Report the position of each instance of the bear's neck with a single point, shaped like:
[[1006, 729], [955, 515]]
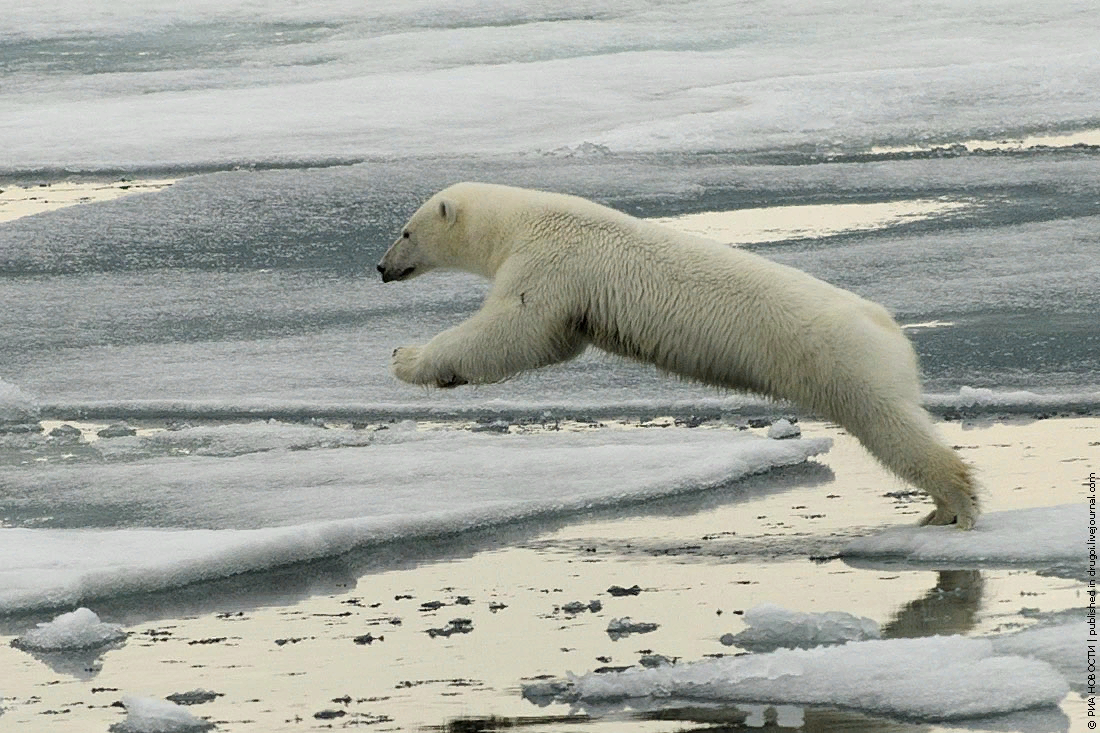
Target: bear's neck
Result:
[[488, 246]]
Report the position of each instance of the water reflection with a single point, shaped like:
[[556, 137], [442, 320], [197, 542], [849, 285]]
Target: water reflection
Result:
[[951, 607]]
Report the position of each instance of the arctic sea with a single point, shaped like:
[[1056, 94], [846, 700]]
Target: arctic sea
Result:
[[235, 319]]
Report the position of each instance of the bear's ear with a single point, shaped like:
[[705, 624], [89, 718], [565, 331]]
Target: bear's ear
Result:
[[448, 210]]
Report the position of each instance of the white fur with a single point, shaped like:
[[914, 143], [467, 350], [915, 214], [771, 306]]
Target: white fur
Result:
[[567, 273]]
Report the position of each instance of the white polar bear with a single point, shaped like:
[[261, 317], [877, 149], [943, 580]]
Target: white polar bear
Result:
[[567, 273]]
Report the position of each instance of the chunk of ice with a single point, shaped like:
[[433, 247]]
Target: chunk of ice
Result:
[[151, 715], [782, 429], [79, 629], [773, 627]]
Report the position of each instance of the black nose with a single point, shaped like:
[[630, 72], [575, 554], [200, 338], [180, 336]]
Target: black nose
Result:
[[381, 269]]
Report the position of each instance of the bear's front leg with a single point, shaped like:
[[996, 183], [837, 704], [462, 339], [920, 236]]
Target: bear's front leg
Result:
[[409, 365], [508, 335]]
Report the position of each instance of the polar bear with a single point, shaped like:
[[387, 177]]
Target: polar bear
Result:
[[568, 273]]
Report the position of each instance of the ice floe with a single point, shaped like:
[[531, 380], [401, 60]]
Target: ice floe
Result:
[[934, 678], [773, 627], [1048, 535], [217, 517]]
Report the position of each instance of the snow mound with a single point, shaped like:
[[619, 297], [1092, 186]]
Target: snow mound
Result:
[[935, 678], [1044, 535], [150, 715], [772, 627], [79, 629]]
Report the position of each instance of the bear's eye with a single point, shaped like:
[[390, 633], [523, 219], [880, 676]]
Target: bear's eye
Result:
[[405, 234]]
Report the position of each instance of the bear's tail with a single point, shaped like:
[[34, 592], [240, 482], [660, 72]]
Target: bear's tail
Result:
[[904, 440]]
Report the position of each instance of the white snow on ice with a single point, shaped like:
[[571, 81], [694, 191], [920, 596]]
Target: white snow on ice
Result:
[[772, 627], [152, 715], [245, 512], [1041, 535], [934, 678], [73, 631]]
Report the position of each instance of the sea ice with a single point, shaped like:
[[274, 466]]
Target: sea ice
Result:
[[935, 678], [151, 715], [76, 630], [773, 627], [1046, 535]]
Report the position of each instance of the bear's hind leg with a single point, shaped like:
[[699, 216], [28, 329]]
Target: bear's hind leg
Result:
[[902, 438]]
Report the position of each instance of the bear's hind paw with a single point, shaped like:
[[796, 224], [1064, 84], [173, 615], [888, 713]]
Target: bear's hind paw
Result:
[[942, 516]]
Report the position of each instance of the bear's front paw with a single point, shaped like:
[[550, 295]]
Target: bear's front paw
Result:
[[406, 361], [409, 366]]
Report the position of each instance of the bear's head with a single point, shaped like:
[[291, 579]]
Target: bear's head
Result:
[[431, 239], [468, 226]]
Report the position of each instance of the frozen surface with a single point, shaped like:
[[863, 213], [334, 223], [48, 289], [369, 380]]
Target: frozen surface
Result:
[[93, 530], [933, 678], [1046, 535], [773, 627], [180, 83], [151, 715], [73, 631]]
